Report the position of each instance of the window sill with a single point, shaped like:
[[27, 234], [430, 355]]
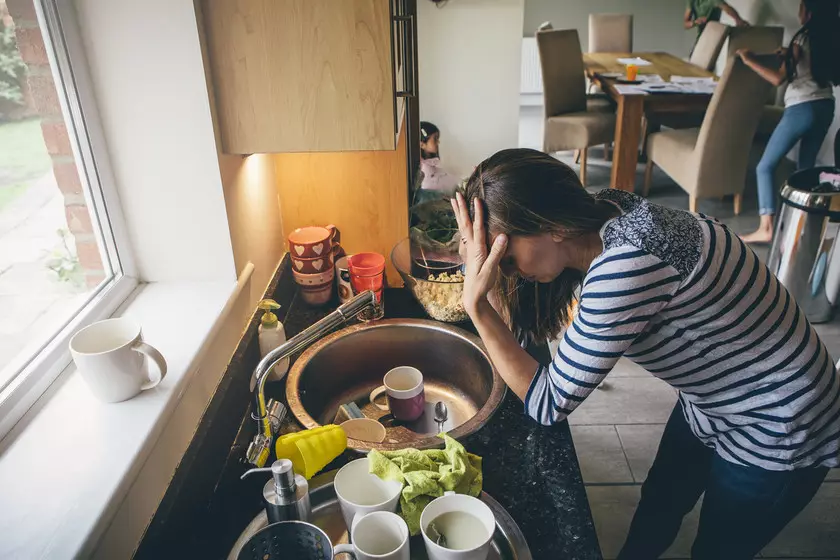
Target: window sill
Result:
[[68, 464]]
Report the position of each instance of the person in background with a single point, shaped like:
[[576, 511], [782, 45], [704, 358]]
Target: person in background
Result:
[[435, 178], [810, 66], [699, 12]]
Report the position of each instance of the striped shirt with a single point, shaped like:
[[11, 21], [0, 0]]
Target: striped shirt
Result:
[[684, 298]]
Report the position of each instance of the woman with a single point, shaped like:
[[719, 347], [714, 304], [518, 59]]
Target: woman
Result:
[[757, 424], [811, 66]]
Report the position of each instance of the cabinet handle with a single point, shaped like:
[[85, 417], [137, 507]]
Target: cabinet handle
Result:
[[409, 58]]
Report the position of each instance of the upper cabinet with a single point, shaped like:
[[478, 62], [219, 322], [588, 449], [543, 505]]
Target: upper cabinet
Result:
[[309, 75]]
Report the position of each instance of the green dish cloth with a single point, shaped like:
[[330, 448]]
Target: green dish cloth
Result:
[[427, 474]]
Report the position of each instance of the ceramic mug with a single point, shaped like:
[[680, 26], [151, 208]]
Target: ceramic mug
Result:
[[359, 492], [110, 355], [406, 396], [313, 279], [316, 265], [318, 295], [342, 279], [465, 541], [313, 242], [381, 535]]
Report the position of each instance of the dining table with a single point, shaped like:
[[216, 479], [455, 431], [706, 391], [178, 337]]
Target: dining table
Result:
[[633, 105]]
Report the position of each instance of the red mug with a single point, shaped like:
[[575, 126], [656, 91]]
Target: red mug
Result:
[[406, 396], [313, 242], [317, 265]]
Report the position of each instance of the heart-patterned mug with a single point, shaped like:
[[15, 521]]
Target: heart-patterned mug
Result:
[[317, 265], [313, 242]]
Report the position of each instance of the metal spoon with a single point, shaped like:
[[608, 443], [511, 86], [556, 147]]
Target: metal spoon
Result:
[[441, 414]]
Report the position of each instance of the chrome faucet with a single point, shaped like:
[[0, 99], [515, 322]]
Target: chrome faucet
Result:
[[267, 419]]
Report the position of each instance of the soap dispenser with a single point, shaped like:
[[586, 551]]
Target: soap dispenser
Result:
[[271, 335], [286, 495]]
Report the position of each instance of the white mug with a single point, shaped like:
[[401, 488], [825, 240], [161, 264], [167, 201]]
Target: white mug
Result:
[[110, 355], [360, 492], [473, 542], [381, 535]]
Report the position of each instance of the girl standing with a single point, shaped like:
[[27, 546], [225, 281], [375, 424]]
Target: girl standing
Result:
[[811, 66]]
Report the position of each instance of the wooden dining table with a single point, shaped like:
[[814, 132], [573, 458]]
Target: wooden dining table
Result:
[[631, 108]]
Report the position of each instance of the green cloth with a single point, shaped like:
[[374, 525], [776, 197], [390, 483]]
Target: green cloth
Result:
[[427, 474]]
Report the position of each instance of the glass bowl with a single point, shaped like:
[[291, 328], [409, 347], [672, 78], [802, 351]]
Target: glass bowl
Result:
[[434, 278]]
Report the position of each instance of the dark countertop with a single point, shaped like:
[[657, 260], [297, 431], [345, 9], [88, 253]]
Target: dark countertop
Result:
[[529, 469]]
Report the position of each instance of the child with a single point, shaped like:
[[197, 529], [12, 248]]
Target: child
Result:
[[434, 177], [811, 67]]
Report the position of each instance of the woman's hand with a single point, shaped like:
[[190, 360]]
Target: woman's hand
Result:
[[482, 266]]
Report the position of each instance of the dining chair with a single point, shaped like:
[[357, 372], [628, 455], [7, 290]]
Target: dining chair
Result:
[[711, 161], [611, 33], [761, 40], [709, 45], [573, 119]]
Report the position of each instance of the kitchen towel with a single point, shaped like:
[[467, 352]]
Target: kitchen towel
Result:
[[427, 474]]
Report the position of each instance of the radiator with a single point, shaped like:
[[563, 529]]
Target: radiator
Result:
[[531, 78]]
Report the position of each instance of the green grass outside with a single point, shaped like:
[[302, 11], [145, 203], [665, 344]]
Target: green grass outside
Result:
[[23, 158]]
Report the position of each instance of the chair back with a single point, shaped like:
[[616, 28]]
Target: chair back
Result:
[[760, 40], [709, 45], [561, 60], [611, 33], [726, 136]]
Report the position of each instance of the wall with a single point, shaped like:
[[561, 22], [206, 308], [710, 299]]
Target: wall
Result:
[[657, 24], [469, 58]]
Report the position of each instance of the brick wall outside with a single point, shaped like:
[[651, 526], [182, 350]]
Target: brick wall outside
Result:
[[42, 98]]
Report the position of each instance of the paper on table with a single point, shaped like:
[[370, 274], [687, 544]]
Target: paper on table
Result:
[[635, 60], [650, 78], [629, 90], [692, 80], [662, 88]]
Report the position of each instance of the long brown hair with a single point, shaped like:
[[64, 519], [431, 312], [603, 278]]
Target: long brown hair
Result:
[[526, 192]]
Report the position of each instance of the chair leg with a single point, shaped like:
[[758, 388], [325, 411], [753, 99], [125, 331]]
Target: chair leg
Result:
[[583, 155], [692, 203], [648, 178], [737, 203], [577, 156]]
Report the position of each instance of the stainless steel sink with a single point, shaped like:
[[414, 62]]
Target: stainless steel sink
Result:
[[347, 365]]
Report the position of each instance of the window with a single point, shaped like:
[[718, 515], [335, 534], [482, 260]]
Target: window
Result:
[[62, 258]]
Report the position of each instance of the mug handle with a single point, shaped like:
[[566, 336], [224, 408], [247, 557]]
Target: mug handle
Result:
[[156, 357], [344, 549], [335, 235], [375, 394]]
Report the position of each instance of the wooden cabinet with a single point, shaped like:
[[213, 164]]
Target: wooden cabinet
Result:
[[308, 75]]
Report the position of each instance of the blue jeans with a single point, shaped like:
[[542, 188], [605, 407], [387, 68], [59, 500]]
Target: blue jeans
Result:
[[743, 508], [808, 122]]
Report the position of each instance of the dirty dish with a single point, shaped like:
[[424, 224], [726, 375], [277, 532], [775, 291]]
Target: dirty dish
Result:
[[360, 492], [312, 450], [406, 395], [464, 523], [364, 429]]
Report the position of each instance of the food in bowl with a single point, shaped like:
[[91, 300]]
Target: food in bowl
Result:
[[442, 296]]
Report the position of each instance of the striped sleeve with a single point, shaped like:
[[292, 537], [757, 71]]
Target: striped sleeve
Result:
[[624, 288]]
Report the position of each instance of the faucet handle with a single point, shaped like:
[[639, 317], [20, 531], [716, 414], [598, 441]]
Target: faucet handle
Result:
[[258, 450]]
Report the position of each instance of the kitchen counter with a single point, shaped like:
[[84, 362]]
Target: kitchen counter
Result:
[[531, 470]]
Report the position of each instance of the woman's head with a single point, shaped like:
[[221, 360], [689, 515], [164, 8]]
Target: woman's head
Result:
[[540, 204], [429, 140], [820, 21]]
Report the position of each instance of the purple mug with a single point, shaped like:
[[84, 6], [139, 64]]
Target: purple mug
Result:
[[406, 398]]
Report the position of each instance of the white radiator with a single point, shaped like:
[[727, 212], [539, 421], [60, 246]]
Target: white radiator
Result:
[[531, 79]]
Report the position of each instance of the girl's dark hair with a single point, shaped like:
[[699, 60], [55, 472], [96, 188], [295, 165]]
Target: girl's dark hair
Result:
[[822, 31], [527, 192], [426, 130]]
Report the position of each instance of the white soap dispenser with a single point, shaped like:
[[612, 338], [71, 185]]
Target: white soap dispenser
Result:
[[271, 335]]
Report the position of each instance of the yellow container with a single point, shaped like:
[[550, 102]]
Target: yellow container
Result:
[[312, 450]]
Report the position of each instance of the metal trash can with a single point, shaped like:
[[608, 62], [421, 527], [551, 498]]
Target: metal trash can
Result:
[[805, 242]]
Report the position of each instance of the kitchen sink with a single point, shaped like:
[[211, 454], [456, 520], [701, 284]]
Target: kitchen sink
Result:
[[347, 365]]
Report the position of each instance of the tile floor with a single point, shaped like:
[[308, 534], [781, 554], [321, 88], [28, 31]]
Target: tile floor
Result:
[[617, 430]]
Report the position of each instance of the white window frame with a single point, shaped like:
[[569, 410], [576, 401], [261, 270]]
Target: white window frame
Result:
[[60, 31]]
